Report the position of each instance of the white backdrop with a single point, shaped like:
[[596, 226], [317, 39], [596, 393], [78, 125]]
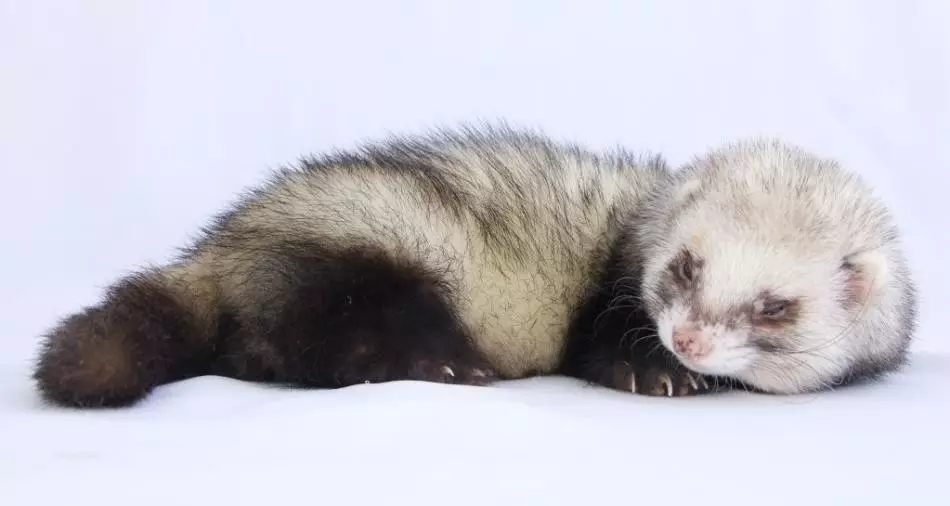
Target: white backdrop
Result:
[[125, 125]]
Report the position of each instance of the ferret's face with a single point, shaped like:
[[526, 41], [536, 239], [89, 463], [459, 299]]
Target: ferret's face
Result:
[[729, 307], [780, 278]]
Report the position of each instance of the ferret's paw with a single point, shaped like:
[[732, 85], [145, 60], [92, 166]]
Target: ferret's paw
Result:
[[444, 371], [663, 382]]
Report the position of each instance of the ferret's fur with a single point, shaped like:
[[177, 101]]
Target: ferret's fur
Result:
[[473, 255]]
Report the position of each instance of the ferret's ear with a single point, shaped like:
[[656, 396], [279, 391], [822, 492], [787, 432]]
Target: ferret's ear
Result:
[[866, 273]]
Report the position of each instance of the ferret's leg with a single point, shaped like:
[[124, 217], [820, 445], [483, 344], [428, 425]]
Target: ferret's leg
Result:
[[152, 327], [332, 319], [614, 343]]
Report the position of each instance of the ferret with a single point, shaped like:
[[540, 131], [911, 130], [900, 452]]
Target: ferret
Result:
[[478, 254]]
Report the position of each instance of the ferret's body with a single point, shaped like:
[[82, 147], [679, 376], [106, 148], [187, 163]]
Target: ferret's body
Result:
[[459, 257]]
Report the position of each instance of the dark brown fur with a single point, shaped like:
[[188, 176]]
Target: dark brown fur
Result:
[[140, 336]]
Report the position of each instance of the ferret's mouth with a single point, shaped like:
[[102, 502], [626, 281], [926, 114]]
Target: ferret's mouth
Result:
[[720, 361]]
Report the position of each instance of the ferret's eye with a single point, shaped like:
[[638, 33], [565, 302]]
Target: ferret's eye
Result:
[[775, 309], [685, 270]]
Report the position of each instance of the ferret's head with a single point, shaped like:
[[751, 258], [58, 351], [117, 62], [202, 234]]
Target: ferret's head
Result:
[[769, 265]]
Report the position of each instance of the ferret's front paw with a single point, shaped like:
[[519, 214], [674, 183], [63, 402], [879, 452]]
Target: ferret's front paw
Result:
[[663, 382], [658, 380]]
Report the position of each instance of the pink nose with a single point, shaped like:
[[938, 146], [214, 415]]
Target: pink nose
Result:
[[690, 343]]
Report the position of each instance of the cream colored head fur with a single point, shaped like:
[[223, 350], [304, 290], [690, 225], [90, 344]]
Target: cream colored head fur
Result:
[[770, 265]]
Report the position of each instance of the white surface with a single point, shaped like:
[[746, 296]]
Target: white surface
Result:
[[124, 125]]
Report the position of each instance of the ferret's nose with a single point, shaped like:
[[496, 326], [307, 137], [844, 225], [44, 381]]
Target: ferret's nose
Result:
[[691, 343]]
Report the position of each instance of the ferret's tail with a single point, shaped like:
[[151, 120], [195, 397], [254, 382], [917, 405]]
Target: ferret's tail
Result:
[[150, 328]]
